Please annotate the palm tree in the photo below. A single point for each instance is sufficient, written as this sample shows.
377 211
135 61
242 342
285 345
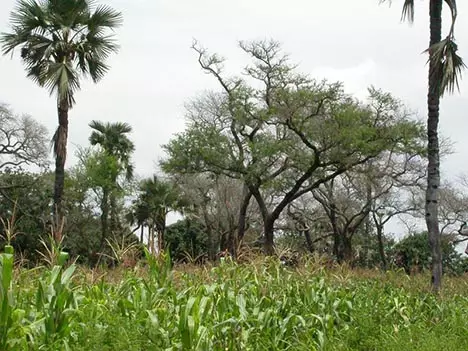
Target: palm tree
138 215
61 42
117 147
157 199
445 68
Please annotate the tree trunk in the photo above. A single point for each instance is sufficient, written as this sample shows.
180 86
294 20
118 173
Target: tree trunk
163 232
114 218
383 258
310 245
243 214
60 148
336 234
347 249
231 244
142 228
433 174
268 229
104 218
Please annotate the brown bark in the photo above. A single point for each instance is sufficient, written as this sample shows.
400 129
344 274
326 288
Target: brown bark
60 148
346 253
383 258
104 217
310 244
243 214
433 172
268 229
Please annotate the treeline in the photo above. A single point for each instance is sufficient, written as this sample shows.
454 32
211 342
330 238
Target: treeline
273 161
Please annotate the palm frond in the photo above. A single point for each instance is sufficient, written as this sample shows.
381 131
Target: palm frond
97 125
62 79
61 41
447 67
408 11
104 17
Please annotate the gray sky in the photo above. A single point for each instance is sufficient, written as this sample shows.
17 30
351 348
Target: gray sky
358 42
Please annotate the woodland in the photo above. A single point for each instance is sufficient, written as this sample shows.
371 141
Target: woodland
283 188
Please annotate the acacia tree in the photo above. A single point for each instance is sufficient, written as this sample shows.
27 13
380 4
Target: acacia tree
215 202
23 141
288 136
445 67
62 41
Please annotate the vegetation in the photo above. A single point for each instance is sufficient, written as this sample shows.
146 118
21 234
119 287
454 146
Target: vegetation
445 67
261 305
60 42
284 187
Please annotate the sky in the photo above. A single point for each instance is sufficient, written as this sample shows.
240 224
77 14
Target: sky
359 42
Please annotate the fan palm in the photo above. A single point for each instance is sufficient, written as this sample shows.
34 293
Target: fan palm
60 42
445 68
157 199
114 142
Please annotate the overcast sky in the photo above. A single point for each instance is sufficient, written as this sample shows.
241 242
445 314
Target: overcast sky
358 42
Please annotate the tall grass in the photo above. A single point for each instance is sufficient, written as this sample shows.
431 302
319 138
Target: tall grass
261 306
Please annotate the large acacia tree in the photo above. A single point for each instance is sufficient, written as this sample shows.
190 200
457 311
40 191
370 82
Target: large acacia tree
61 42
445 67
280 132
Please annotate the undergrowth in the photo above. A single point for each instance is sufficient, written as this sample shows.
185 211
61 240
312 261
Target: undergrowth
257 306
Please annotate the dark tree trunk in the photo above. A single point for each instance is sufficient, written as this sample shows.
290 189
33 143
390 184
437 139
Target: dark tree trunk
114 220
347 249
433 173
142 228
243 214
310 244
383 258
336 233
60 148
163 232
231 244
104 218
268 229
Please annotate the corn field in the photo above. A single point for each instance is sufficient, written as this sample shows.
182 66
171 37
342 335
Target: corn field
263 306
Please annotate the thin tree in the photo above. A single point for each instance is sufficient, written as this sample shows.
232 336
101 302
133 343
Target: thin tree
61 42
445 68
113 139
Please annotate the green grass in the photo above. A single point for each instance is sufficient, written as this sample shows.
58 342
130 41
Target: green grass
258 306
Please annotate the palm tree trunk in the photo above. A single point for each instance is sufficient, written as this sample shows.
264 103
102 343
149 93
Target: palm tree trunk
60 148
433 173
114 220
104 217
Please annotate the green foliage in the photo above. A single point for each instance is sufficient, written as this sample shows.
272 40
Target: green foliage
236 307
61 40
414 251
31 199
186 240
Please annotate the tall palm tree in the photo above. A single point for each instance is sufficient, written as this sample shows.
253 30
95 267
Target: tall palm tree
157 199
115 144
61 42
113 139
445 68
